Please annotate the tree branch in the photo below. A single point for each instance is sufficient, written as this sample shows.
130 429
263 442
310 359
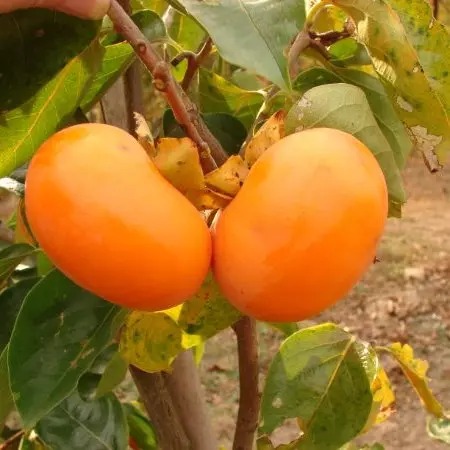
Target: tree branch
188 398
249 398
160 409
12 440
195 62
185 111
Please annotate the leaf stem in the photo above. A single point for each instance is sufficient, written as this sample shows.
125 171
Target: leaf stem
249 397
185 111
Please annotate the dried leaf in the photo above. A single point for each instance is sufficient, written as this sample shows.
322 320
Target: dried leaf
229 177
144 135
178 161
208 199
415 371
270 133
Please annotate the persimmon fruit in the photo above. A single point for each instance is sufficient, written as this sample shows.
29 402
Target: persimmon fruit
111 223
304 227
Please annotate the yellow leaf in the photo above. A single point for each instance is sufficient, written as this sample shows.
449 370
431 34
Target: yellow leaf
207 312
178 161
383 400
415 371
150 341
229 177
144 135
270 133
383 394
208 199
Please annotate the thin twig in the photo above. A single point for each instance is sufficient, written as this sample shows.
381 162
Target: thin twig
301 42
133 84
249 398
9 442
185 111
435 6
196 62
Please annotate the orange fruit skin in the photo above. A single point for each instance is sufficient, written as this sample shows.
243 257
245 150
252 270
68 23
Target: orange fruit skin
111 223
304 227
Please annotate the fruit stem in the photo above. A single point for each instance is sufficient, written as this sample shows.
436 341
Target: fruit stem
185 111
249 398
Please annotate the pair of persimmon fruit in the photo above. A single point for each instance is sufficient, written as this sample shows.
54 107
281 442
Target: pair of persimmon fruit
298 236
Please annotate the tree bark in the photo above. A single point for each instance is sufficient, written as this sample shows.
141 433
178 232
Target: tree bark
187 394
161 410
249 398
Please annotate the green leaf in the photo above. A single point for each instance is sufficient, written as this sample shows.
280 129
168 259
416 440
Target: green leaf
115 372
228 130
151 341
246 80
219 95
116 60
150 24
7 402
252 34
383 111
318 377
411 53
141 431
75 424
380 104
207 313
286 328
11 257
43 79
439 429
59 332
105 371
11 301
345 107
118 56
186 32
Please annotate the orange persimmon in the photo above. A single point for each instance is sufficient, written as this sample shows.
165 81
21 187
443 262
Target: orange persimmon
303 229
110 222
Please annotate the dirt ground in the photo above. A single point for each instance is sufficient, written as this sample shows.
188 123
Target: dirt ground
405 297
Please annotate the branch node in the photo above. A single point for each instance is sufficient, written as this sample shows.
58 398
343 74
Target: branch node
159 84
179 102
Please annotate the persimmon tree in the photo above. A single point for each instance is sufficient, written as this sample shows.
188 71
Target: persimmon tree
206 87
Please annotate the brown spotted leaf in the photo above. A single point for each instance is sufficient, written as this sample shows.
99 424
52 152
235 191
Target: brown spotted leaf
270 133
320 377
152 340
229 177
415 371
411 53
